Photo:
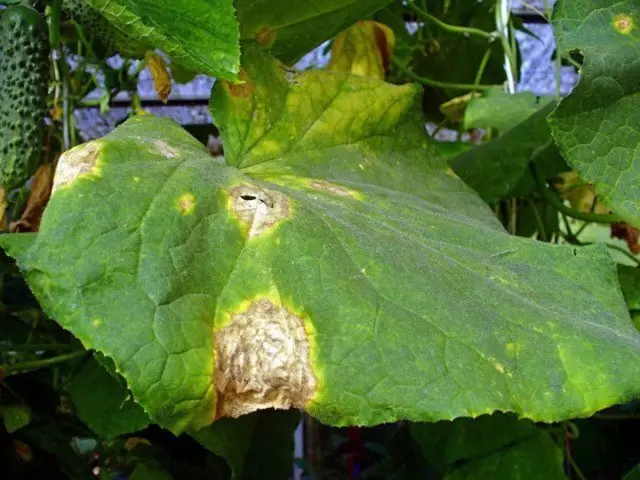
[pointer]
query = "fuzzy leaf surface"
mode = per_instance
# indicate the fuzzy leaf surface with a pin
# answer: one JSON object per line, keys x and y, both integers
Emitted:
{"x": 333, "y": 213}
{"x": 597, "y": 127}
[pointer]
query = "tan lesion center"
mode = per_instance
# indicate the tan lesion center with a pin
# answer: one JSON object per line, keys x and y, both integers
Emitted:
{"x": 262, "y": 361}
{"x": 257, "y": 208}
{"x": 74, "y": 163}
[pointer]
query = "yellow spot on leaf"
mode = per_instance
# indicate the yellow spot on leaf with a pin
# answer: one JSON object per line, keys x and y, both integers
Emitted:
{"x": 623, "y": 24}
{"x": 97, "y": 323}
{"x": 186, "y": 203}
{"x": 136, "y": 179}
{"x": 499, "y": 367}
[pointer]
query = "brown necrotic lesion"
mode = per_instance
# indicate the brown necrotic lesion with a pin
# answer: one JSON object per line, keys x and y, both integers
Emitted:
{"x": 262, "y": 361}
{"x": 257, "y": 208}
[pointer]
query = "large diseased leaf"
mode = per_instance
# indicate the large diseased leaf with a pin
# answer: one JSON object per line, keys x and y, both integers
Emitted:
{"x": 295, "y": 27}
{"x": 597, "y": 127}
{"x": 199, "y": 34}
{"x": 333, "y": 264}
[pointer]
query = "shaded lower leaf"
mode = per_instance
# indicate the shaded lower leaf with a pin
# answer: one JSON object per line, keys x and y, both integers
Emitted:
{"x": 149, "y": 471}
{"x": 256, "y": 446}
{"x": 630, "y": 282}
{"x": 491, "y": 446}
{"x": 496, "y": 168}
{"x": 633, "y": 474}
{"x": 537, "y": 458}
{"x": 104, "y": 403}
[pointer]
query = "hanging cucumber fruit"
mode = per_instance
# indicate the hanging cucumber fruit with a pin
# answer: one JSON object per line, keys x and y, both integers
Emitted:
{"x": 24, "y": 78}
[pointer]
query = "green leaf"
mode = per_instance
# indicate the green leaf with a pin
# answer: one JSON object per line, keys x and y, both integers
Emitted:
{"x": 494, "y": 169}
{"x": 256, "y": 446}
{"x": 490, "y": 446}
{"x": 201, "y": 35}
{"x": 630, "y": 282}
{"x": 597, "y": 127}
{"x": 537, "y": 458}
{"x": 103, "y": 402}
{"x": 149, "y": 471}
{"x": 633, "y": 474}
{"x": 333, "y": 264}
{"x": 15, "y": 416}
{"x": 295, "y": 27}
{"x": 501, "y": 110}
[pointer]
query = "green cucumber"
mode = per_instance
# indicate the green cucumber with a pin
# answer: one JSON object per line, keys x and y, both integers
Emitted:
{"x": 24, "y": 78}
{"x": 106, "y": 38}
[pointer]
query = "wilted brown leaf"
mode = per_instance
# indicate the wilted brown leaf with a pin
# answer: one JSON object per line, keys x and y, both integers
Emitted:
{"x": 160, "y": 74}
{"x": 3, "y": 209}
{"x": 41, "y": 184}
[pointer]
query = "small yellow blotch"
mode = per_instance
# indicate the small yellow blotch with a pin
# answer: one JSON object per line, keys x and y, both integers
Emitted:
{"x": 511, "y": 348}
{"x": 97, "y": 323}
{"x": 623, "y": 24}
{"x": 136, "y": 179}
{"x": 360, "y": 166}
{"x": 499, "y": 367}
{"x": 186, "y": 203}
{"x": 451, "y": 173}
